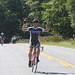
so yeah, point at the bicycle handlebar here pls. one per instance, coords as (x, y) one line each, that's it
(37, 47)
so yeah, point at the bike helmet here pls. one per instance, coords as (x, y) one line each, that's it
(35, 21)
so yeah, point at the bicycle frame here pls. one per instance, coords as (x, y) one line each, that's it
(34, 60)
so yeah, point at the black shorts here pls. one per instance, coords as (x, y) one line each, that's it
(34, 44)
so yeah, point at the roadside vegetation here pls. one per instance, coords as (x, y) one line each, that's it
(55, 40)
(68, 44)
(59, 14)
(58, 40)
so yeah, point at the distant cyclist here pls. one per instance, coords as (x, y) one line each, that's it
(13, 39)
(34, 33)
(2, 38)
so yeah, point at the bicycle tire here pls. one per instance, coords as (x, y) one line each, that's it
(34, 65)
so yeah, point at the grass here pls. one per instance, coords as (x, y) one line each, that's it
(67, 44)
(55, 40)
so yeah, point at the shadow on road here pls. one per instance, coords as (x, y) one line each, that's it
(54, 73)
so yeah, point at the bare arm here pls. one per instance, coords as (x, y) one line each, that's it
(46, 27)
(24, 28)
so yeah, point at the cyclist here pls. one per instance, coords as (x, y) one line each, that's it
(34, 33)
(2, 38)
(13, 39)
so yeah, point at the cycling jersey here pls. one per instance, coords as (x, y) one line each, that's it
(34, 34)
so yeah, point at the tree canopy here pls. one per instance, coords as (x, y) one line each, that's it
(59, 14)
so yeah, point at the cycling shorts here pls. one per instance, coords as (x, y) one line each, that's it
(34, 44)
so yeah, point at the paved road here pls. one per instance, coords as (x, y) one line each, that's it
(54, 60)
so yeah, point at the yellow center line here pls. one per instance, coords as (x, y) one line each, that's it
(51, 57)
(60, 61)
(64, 64)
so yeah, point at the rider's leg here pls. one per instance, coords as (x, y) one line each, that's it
(29, 55)
(38, 53)
(38, 50)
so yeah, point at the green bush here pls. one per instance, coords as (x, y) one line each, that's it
(72, 41)
(54, 38)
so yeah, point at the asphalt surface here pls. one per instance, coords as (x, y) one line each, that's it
(54, 60)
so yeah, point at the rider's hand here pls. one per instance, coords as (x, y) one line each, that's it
(45, 23)
(24, 22)
(45, 26)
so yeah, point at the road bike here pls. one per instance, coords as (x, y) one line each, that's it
(34, 63)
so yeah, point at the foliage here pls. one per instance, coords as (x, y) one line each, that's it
(60, 15)
(57, 16)
(70, 5)
(54, 38)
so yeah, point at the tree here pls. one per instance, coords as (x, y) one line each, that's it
(35, 9)
(60, 15)
(57, 16)
(70, 5)
(2, 18)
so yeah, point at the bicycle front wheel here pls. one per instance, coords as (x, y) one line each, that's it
(34, 65)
